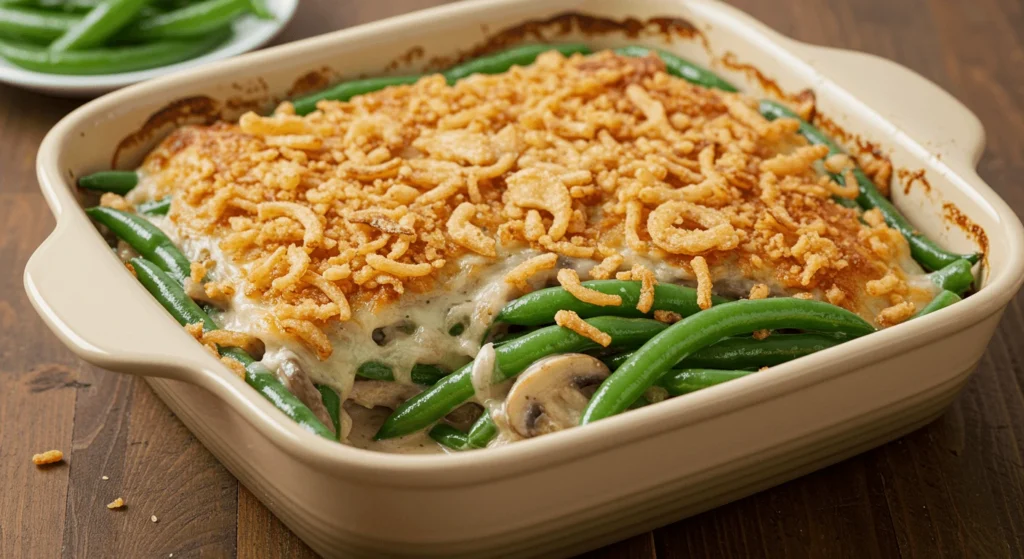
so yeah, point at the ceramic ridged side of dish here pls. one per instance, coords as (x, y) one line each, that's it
(580, 488)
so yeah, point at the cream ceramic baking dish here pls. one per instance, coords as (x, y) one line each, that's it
(581, 488)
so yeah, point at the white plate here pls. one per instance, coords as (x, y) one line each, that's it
(250, 33)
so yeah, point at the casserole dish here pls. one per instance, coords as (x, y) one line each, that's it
(540, 497)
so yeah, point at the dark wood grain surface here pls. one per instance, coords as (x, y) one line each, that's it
(952, 489)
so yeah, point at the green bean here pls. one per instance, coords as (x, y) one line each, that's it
(745, 352)
(748, 353)
(109, 60)
(148, 240)
(956, 277)
(926, 252)
(649, 363)
(680, 67)
(260, 9)
(941, 301)
(333, 404)
(118, 182)
(510, 359)
(101, 23)
(156, 207)
(448, 436)
(684, 381)
(194, 20)
(347, 90)
(502, 61)
(482, 432)
(374, 370)
(173, 298)
(539, 307)
(33, 24)
(506, 337)
(426, 375)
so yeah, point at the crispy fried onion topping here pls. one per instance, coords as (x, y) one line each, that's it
(570, 281)
(520, 275)
(572, 321)
(462, 231)
(718, 232)
(542, 190)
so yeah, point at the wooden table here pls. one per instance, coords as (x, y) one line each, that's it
(952, 489)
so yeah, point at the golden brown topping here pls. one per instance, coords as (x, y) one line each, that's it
(310, 334)
(195, 330)
(198, 270)
(570, 281)
(227, 338)
(607, 268)
(463, 232)
(572, 321)
(519, 275)
(895, 314)
(848, 189)
(796, 163)
(234, 366)
(668, 317)
(115, 201)
(704, 283)
(835, 295)
(647, 283)
(48, 457)
(398, 269)
(542, 190)
(759, 291)
(890, 283)
(381, 222)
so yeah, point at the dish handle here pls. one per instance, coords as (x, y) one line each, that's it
(96, 312)
(915, 104)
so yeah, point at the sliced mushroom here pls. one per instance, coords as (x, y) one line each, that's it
(297, 381)
(373, 393)
(550, 394)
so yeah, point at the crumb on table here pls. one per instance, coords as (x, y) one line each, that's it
(116, 504)
(48, 457)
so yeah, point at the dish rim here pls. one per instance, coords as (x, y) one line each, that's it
(479, 467)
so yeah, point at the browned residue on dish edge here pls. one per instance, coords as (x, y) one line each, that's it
(770, 86)
(952, 214)
(406, 59)
(199, 109)
(311, 81)
(908, 178)
(566, 23)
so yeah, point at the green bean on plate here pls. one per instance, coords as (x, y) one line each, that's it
(526, 242)
(115, 36)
